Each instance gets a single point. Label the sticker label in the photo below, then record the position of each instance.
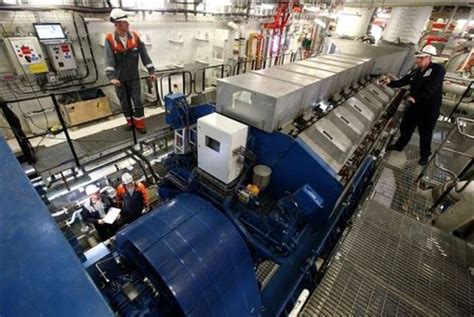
(38, 68)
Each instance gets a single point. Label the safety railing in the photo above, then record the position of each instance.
(66, 128)
(462, 130)
(167, 82)
(172, 78)
(245, 65)
(224, 70)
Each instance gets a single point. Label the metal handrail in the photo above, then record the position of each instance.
(263, 62)
(64, 126)
(183, 73)
(459, 126)
(225, 69)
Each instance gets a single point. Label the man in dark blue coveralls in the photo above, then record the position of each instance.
(424, 101)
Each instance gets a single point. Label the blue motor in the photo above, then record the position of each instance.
(195, 259)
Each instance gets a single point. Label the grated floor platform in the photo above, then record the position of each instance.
(58, 157)
(392, 261)
(395, 180)
(265, 271)
(389, 264)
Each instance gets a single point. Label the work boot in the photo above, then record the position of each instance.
(128, 128)
(423, 161)
(142, 130)
(394, 147)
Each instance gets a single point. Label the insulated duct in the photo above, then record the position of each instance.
(406, 24)
(353, 22)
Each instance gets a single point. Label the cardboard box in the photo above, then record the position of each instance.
(85, 111)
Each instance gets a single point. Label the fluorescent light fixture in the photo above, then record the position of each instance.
(320, 23)
(352, 14)
(267, 6)
(376, 32)
(218, 3)
(383, 15)
(142, 4)
(276, 41)
(312, 8)
(46, 2)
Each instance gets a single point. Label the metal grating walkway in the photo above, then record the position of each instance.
(265, 272)
(395, 179)
(391, 264)
(58, 157)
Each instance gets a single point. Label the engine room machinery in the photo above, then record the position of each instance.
(266, 178)
(254, 196)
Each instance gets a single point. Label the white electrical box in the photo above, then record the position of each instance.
(61, 56)
(218, 137)
(26, 55)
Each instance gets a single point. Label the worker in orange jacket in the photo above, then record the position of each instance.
(131, 198)
(123, 49)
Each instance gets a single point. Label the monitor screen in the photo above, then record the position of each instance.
(49, 31)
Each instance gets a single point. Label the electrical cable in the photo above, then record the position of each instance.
(25, 115)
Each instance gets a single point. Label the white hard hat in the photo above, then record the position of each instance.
(91, 189)
(428, 50)
(127, 178)
(117, 15)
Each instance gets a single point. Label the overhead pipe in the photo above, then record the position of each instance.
(457, 216)
(452, 88)
(82, 9)
(450, 103)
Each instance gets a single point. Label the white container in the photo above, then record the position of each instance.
(218, 137)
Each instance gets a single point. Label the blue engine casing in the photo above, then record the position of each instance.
(293, 165)
(191, 252)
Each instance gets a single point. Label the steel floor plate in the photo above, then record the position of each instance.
(265, 271)
(94, 145)
(57, 155)
(395, 188)
(391, 264)
(395, 180)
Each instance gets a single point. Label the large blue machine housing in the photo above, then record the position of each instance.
(193, 254)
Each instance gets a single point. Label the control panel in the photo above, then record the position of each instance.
(61, 56)
(26, 55)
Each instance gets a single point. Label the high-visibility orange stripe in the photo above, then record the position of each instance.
(117, 47)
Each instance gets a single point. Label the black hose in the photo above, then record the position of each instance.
(148, 163)
(137, 160)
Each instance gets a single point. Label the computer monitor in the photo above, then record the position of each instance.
(49, 31)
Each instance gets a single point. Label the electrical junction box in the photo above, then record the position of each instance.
(26, 55)
(61, 56)
(218, 137)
